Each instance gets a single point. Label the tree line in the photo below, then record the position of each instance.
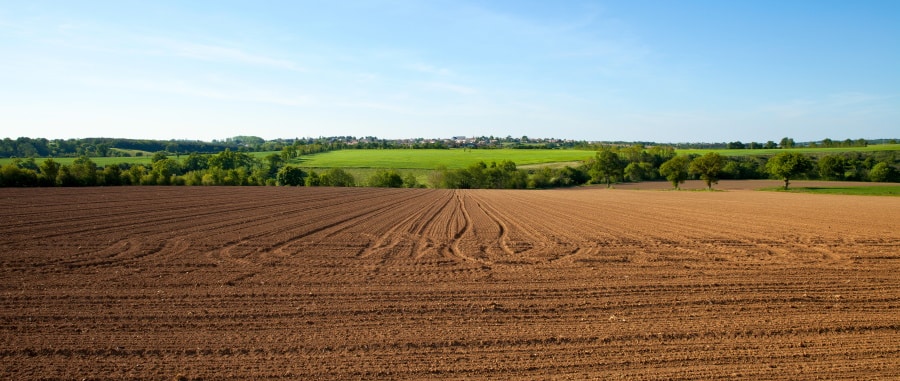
(24, 147)
(610, 164)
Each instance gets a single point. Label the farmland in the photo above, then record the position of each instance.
(147, 283)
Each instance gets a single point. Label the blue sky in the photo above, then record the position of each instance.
(664, 71)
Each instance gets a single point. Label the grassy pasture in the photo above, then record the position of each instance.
(867, 190)
(431, 159)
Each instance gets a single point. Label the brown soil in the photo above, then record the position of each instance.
(208, 283)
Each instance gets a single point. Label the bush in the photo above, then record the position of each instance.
(385, 179)
(291, 176)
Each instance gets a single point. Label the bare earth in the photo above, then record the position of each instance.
(147, 283)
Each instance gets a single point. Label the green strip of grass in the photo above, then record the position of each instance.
(863, 190)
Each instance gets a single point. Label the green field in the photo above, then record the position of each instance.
(866, 190)
(775, 151)
(431, 159)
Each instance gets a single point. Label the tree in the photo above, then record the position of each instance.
(606, 167)
(271, 164)
(336, 177)
(229, 159)
(313, 179)
(102, 150)
(158, 156)
(504, 176)
(111, 175)
(735, 145)
(787, 143)
(161, 171)
(410, 181)
(13, 176)
(195, 162)
(708, 168)
(291, 176)
(49, 171)
(639, 171)
(288, 153)
(881, 172)
(675, 170)
(831, 167)
(385, 179)
(82, 172)
(788, 165)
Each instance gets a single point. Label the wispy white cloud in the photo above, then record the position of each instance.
(429, 69)
(226, 92)
(445, 86)
(831, 105)
(208, 52)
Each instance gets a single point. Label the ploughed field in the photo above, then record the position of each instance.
(207, 283)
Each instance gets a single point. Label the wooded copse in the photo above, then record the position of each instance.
(611, 164)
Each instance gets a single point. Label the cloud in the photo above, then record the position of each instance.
(222, 54)
(429, 69)
(225, 91)
(458, 89)
(831, 105)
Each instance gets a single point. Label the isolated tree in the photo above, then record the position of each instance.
(708, 167)
(606, 166)
(788, 165)
(675, 170)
